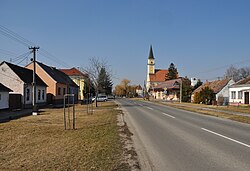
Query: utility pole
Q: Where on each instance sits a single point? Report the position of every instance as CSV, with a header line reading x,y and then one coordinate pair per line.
x,y
181,91
34,49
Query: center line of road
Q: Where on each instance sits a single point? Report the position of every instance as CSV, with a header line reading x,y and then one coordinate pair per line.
x,y
150,108
168,115
226,137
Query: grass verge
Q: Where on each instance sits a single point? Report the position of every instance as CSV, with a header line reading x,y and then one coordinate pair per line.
x,y
41,143
243,119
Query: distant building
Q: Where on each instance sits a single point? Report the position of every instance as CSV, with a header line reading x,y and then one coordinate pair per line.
x,y
194,81
239,92
139,91
167,90
79,78
154,76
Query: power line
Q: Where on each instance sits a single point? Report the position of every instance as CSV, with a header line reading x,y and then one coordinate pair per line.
x,y
7,32
18,38
48,55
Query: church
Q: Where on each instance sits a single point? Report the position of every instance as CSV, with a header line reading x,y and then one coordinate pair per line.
x,y
154,76
158,85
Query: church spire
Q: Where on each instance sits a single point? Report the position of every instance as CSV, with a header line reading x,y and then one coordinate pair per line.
x,y
151,55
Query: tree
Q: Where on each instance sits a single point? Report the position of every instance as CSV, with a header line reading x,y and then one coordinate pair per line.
x,y
94,70
186,90
104,82
237,74
205,96
172,72
125,86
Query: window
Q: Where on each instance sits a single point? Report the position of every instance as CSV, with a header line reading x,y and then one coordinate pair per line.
x,y
28,94
39,94
59,91
64,91
240,94
43,94
233,94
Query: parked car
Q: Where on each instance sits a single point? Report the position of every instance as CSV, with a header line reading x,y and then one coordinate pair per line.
x,y
102,98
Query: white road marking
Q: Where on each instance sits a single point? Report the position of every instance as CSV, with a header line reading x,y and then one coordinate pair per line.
x,y
226,137
168,115
141,105
150,108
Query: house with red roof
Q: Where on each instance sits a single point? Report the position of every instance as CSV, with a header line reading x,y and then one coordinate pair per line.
x,y
79,78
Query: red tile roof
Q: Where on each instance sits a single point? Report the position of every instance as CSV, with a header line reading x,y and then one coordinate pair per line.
x,y
159,76
73,72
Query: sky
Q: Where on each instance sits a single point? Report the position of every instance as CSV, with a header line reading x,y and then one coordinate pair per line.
x,y
201,37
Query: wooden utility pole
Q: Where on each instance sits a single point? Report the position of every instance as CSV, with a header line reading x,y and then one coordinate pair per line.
x,y
34,49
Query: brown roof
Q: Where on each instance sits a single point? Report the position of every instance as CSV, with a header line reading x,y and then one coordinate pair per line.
x,y
169,84
216,86
243,81
73,72
159,76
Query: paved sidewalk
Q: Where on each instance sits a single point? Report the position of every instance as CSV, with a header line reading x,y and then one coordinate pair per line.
x,y
7,115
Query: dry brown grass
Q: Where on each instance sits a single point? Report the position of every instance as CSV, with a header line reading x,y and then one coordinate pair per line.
x,y
244,119
41,143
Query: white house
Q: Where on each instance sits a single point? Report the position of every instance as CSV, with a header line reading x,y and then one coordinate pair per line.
x,y
19,80
4,97
239,92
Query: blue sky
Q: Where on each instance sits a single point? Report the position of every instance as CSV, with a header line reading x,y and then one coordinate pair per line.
x,y
201,37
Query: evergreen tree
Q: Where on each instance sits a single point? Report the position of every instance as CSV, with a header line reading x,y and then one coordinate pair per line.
x,y
172,72
186,90
104,82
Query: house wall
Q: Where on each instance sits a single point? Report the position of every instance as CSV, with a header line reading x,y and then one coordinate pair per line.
x,y
237,100
4,100
225,92
46,78
80,81
11,80
160,95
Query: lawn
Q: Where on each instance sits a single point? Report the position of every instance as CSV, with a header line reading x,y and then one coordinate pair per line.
x,y
41,143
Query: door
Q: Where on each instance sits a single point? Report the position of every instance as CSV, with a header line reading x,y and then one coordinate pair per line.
x,y
246,97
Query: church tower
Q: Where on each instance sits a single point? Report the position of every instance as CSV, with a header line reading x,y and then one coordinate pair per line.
x,y
151,67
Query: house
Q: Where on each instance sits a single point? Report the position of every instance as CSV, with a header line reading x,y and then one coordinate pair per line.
x,y
4,97
219,87
79,78
139,91
58,83
20,80
167,90
239,92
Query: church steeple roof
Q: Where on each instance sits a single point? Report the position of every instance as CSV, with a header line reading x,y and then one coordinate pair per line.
x,y
151,55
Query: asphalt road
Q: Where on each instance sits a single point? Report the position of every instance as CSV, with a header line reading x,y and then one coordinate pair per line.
x,y
172,139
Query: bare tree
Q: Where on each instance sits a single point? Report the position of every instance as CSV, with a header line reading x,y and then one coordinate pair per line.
x,y
237,74
93,70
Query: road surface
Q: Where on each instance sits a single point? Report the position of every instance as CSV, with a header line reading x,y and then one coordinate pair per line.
x,y
172,139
